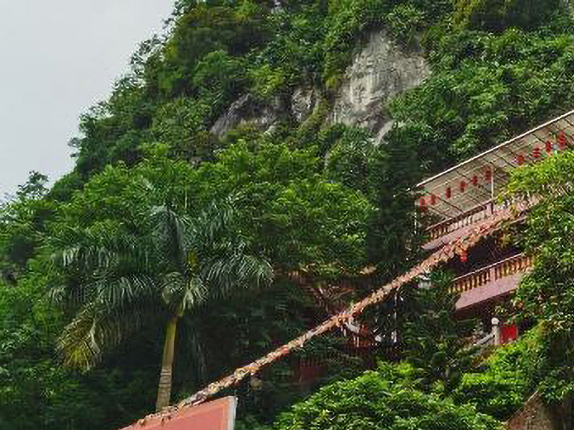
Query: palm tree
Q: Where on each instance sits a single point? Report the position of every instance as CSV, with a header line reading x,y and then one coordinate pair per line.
x,y
117,282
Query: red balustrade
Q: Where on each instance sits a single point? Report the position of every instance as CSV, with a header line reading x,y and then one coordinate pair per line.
x,y
518,264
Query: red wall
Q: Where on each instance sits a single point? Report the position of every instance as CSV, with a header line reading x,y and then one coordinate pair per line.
x,y
216,415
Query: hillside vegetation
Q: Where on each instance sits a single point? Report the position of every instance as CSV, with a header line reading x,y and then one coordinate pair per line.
x,y
166,229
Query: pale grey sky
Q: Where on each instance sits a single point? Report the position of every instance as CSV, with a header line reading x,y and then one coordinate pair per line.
x,y
58,58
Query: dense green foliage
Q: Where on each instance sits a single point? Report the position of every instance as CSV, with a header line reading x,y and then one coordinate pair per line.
x,y
387,399
434,342
498,15
501,384
308,196
38,392
546,293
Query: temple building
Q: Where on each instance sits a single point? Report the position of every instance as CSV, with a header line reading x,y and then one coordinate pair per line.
x,y
457,199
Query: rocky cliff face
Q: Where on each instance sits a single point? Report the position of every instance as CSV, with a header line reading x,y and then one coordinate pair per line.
x,y
248,110
379,71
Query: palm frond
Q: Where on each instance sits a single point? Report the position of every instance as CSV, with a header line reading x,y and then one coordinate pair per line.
x,y
213,224
171,229
172,286
180,293
97,329
195,294
71,296
96,248
225,274
78,344
115,292
118,281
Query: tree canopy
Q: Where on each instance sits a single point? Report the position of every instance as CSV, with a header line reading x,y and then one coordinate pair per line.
x,y
204,116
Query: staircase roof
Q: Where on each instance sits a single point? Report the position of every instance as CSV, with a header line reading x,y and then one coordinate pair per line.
x,y
474,173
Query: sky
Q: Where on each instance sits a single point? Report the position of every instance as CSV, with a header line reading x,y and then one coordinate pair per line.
x,y
58,58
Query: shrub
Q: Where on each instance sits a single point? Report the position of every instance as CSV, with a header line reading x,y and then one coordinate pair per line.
x,y
385,399
501,389
405,21
496,15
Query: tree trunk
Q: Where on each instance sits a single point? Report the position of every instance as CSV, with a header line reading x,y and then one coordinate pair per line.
x,y
164,389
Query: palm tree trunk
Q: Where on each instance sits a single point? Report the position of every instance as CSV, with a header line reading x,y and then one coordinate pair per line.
x,y
164,389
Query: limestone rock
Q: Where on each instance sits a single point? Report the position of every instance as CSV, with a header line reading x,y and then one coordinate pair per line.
x,y
379,72
247,109
303,102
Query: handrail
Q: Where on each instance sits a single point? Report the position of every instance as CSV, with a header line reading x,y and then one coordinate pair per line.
x,y
461,215
477,213
485,340
493,272
470,217
490,266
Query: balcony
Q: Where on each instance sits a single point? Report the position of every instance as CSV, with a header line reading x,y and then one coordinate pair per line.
x,y
453,228
490,282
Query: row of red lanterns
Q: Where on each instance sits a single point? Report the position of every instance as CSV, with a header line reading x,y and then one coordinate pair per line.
x,y
549,146
462,186
520,160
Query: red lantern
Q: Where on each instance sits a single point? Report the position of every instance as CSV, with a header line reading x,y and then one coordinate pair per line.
x,y
464,256
536,152
432,199
462,186
562,141
475,180
488,175
520,159
548,146
422,204
448,192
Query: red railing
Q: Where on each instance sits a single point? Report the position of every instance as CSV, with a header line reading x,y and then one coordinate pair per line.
x,y
511,266
474,215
